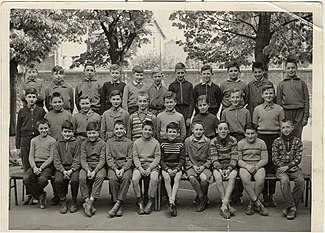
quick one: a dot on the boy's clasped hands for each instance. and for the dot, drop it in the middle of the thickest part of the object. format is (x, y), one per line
(198, 169)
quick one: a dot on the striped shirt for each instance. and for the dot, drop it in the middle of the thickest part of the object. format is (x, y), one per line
(172, 154)
(252, 153)
(135, 124)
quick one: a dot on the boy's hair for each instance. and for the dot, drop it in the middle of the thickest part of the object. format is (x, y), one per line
(56, 94)
(30, 90)
(170, 95)
(222, 122)
(233, 64)
(83, 97)
(258, 65)
(119, 122)
(235, 90)
(67, 125)
(172, 125)
(198, 122)
(149, 123)
(56, 69)
(180, 65)
(291, 60)
(42, 121)
(267, 86)
(156, 70)
(115, 67)
(143, 93)
(114, 93)
(89, 63)
(92, 126)
(250, 125)
(206, 67)
(202, 98)
(287, 121)
(137, 69)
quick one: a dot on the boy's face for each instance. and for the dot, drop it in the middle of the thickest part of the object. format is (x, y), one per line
(89, 72)
(258, 74)
(119, 130)
(291, 69)
(169, 104)
(92, 135)
(172, 134)
(116, 75)
(233, 73)
(138, 77)
(157, 78)
(180, 73)
(58, 75)
(198, 130)
(286, 128)
(67, 134)
(43, 130)
(31, 74)
(203, 106)
(116, 101)
(147, 131)
(223, 130)
(143, 102)
(57, 103)
(206, 75)
(251, 135)
(31, 99)
(85, 105)
(268, 95)
(235, 99)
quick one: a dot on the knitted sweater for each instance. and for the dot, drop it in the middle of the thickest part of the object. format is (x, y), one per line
(56, 120)
(41, 150)
(172, 154)
(268, 118)
(146, 153)
(66, 91)
(134, 126)
(92, 157)
(130, 94)
(252, 153)
(107, 88)
(197, 152)
(164, 118)
(212, 91)
(237, 118)
(119, 153)
(91, 88)
(226, 87)
(80, 121)
(210, 123)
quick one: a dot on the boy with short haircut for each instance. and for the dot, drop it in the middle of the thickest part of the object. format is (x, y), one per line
(184, 94)
(67, 165)
(156, 92)
(252, 159)
(41, 163)
(268, 117)
(93, 172)
(170, 115)
(119, 150)
(232, 82)
(293, 96)
(132, 89)
(255, 87)
(108, 87)
(135, 121)
(286, 156)
(210, 121)
(116, 112)
(198, 164)
(59, 85)
(89, 86)
(31, 80)
(146, 158)
(85, 115)
(57, 116)
(172, 161)
(209, 89)
(224, 159)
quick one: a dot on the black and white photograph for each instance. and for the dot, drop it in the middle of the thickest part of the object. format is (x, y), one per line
(162, 116)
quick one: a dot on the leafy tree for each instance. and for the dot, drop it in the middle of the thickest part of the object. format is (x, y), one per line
(220, 37)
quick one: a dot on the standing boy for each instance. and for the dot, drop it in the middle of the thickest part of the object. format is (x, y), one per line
(268, 117)
(209, 89)
(286, 156)
(119, 150)
(59, 85)
(293, 96)
(108, 87)
(146, 157)
(89, 86)
(132, 89)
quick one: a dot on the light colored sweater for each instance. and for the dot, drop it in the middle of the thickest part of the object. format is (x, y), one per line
(268, 118)
(146, 153)
(164, 118)
(252, 153)
(130, 94)
(41, 150)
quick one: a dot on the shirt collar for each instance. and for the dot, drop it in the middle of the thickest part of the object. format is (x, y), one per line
(88, 113)
(32, 108)
(202, 140)
(289, 78)
(31, 80)
(59, 83)
(172, 111)
(115, 82)
(137, 84)
(157, 86)
(235, 108)
(204, 83)
(70, 140)
(265, 105)
(93, 79)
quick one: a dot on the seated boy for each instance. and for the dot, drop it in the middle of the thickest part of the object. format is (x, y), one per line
(198, 164)
(41, 163)
(146, 157)
(224, 158)
(252, 159)
(286, 156)
(172, 161)
(67, 165)
(93, 172)
(119, 150)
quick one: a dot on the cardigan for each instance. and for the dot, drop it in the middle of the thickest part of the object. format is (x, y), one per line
(197, 152)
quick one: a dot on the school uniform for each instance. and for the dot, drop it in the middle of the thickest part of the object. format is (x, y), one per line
(210, 123)
(156, 97)
(56, 119)
(135, 121)
(80, 121)
(130, 94)
(107, 88)
(36, 83)
(226, 88)
(92, 88)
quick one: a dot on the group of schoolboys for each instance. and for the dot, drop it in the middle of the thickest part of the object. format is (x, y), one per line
(143, 133)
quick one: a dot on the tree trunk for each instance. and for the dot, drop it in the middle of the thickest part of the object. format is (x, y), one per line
(13, 96)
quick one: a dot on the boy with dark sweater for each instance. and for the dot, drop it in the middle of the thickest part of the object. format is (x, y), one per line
(67, 165)
(119, 150)
(146, 158)
(286, 155)
(108, 87)
(93, 172)
(268, 117)
(41, 163)
(172, 161)
(293, 96)
(156, 92)
(209, 89)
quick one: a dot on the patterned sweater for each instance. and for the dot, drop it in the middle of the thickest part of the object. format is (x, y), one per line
(254, 153)
(134, 126)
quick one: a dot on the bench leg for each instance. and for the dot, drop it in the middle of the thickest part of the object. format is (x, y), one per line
(10, 186)
(307, 193)
(23, 192)
(15, 191)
